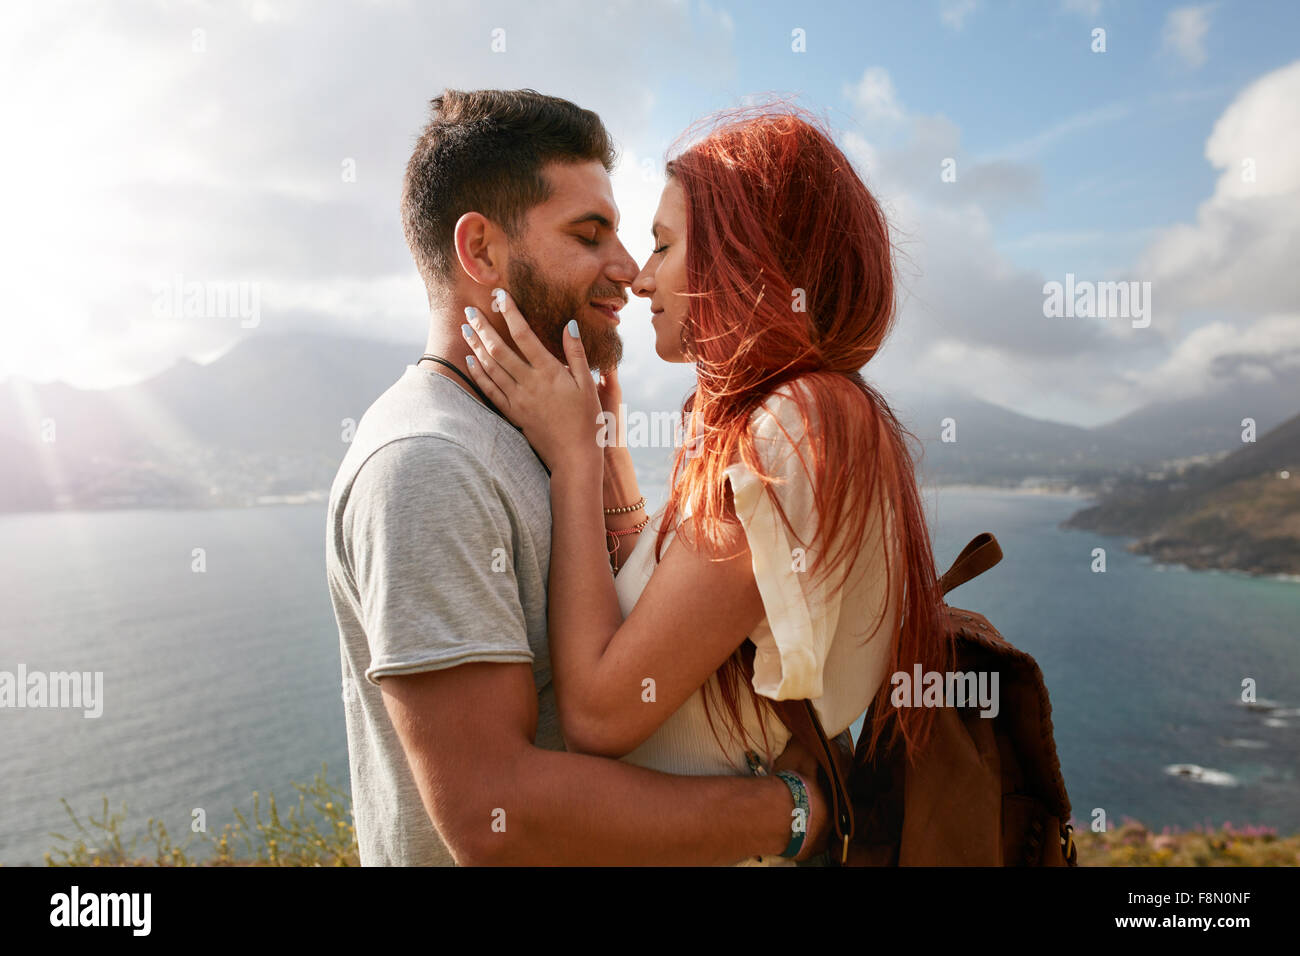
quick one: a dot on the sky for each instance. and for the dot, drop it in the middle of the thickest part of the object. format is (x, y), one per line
(259, 146)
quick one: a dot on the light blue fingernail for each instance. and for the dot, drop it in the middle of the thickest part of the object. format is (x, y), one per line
(469, 360)
(469, 333)
(471, 312)
(573, 327)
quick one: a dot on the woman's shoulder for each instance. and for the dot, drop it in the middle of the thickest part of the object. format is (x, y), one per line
(783, 446)
(785, 417)
(786, 397)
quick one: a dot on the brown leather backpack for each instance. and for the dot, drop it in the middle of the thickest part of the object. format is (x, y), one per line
(986, 791)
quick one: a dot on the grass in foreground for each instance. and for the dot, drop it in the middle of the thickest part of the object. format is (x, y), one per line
(1132, 844)
(318, 831)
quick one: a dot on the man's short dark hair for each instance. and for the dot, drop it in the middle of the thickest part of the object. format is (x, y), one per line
(483, 151)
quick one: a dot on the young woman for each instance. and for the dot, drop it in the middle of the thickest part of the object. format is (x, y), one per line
(792, 559)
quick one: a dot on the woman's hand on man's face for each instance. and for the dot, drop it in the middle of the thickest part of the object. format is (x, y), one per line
(610, 392)
(557, 406)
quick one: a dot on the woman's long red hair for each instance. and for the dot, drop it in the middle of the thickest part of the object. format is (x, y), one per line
(778, 218)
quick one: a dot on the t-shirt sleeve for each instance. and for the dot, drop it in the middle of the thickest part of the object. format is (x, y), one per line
(792, 644)
(431, 542)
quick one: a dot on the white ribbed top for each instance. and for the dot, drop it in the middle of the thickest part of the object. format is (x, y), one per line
(812, 643)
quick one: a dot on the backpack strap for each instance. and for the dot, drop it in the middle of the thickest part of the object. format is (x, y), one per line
(801, 720)
(835, 758)
(980, 554)
(800, 717)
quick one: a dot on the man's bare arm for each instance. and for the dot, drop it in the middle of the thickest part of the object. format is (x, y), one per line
(468, 735)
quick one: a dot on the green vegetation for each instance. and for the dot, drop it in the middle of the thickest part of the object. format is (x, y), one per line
(1132, 844)
(318, 831)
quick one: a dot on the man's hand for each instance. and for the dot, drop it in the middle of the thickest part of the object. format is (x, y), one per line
(798, 759)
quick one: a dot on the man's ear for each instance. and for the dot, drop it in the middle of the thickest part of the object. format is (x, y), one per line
(481, 248)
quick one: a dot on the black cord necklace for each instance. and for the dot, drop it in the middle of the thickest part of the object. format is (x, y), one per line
(479, 392)
(468, 381)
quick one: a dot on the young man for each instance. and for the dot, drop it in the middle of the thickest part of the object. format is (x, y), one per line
(439, 538)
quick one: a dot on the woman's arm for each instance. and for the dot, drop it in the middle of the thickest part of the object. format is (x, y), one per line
(620, 490)
(620, 485)
(616, 681)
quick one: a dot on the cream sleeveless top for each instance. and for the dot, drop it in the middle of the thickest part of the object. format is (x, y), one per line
(813, 642)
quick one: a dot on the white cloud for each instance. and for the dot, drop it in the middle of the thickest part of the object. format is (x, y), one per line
(1184, 33)
(1239, 256)
(963, 305)
(140, 159)
(1262, 126)
(966, 306)
(928, 144)
(135, 157)
(1220, 354)
(953, 13)
(874, 96)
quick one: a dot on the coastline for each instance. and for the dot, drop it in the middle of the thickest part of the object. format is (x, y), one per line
(1041, 492)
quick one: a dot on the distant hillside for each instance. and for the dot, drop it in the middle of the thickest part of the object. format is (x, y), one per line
(1206, 424)
(1242, 512)
(997, 446)
(265, 421)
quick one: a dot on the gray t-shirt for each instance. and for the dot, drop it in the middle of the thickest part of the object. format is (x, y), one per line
(437, 551)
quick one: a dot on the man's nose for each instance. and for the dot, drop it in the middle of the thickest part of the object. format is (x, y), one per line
(624, 270)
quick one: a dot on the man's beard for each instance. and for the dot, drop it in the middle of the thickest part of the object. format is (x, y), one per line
(548, 309)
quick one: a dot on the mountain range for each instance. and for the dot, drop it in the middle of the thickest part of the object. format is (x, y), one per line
(1241, 512)
(269, 421)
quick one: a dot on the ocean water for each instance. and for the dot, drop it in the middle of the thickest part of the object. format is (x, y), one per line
(223, 682)
(1144, 665)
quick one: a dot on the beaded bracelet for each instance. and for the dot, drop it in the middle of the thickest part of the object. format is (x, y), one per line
(615, 535)
(627, 509)
(636, 527)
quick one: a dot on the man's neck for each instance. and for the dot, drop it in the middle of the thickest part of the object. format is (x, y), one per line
(454, 349)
